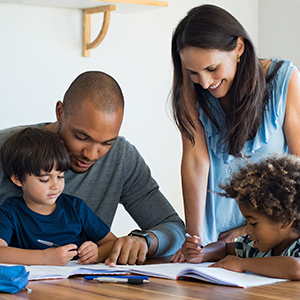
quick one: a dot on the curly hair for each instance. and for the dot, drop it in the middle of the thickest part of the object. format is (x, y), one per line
(270, 186)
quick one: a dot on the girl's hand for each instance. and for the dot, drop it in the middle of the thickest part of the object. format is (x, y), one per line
(88, 253)
(230, 262)
(59, 256)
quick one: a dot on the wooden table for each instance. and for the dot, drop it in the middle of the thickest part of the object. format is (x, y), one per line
(162, 289)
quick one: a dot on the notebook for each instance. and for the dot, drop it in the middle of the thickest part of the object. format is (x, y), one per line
(38, 272)
(181, 271)
(173, 271)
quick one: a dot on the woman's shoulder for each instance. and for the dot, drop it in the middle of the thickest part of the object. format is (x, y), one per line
(266, 63)
(271, 66)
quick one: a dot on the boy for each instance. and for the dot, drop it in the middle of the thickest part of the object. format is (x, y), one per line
(35, 160)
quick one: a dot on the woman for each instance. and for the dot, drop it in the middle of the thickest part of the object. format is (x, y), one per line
(228, 104)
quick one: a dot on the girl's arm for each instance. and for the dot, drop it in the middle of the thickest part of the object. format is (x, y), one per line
(52, 256)
(286, 267)
(292, 113)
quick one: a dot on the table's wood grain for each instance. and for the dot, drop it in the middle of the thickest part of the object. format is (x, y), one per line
(76, 288)
(163, 289)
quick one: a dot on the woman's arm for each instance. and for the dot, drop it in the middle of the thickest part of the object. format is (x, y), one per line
(286, 267)
(292, 113)
(194, 172)
(194, 175)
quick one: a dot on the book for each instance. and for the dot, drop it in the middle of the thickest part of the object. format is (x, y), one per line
(40, 272)
(181, 271)
(172, 271)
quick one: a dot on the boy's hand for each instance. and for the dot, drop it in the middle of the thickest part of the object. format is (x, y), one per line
(59, 256)
(230, 262)
(88, 253)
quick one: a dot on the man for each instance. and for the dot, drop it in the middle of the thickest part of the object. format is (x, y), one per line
(107, 170)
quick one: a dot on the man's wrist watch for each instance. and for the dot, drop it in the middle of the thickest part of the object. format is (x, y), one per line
(142, 233)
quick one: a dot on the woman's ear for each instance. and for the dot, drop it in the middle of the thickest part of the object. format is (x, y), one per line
(16, 180)
(240, 47)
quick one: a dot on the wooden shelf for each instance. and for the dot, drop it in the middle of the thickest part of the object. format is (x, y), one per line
(90, 7)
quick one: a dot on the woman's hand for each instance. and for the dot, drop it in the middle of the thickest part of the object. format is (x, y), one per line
(191, 251)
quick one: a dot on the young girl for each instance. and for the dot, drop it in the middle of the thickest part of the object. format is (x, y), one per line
(35, 159)
(268, 196)
(228, 104)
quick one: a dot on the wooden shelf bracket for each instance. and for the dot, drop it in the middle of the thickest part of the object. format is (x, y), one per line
(87, 45)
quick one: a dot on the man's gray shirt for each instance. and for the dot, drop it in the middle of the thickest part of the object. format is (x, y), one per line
(120, 176)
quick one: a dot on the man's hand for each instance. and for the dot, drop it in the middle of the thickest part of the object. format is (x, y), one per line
(230, 235)
(128, 250)
(88, 253)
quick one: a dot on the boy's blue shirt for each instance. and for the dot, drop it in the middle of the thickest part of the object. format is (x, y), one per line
(72, 222)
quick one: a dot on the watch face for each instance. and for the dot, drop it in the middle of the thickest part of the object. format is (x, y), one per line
(139, 232)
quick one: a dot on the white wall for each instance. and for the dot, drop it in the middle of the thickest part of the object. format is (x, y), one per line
(40, 55)
(279, 25)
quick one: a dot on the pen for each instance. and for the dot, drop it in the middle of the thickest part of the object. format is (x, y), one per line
(48, 243)
(198, 237)
(116, 279)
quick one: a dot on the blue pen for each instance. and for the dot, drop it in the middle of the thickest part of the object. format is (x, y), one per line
(116, 279)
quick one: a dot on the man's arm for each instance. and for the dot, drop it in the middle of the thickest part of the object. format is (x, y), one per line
(149, 208)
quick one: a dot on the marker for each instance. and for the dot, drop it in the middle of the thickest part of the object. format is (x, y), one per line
(198, 237)
(48, 243)
(117, 279)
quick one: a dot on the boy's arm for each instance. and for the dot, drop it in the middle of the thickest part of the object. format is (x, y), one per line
(105, 245)
(218, 250)
(286, 267)
(52, 256)
(90, 253)
(211, 252)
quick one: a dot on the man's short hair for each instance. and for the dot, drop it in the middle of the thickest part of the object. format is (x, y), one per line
(32, 150)
(97, 87)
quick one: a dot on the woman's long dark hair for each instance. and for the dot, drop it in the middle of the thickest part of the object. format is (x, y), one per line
(211, 27)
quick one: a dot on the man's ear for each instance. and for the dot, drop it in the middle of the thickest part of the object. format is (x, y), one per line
(16, 180)
(59, 110)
